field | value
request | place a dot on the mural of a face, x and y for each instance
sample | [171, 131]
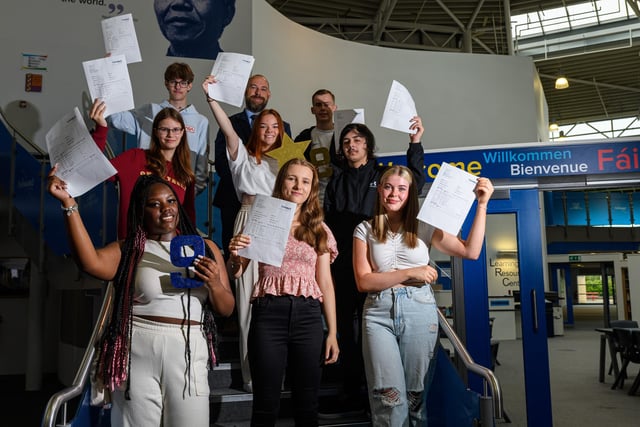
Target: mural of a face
[193, 27]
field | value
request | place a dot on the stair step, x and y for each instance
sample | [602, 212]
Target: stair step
[230, 405]
[232, 408]
[288, 422]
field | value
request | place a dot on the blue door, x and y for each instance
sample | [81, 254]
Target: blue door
[525, 207]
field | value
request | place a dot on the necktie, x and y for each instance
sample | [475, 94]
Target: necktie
[253, 117]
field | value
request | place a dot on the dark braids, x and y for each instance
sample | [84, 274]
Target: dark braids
[114, 362]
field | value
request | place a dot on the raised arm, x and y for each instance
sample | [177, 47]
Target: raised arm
[230, 135]
[415, 153]
[472, 246]
[100, 263]
[96, 114]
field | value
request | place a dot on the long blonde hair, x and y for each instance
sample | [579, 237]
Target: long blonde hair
[409, 214]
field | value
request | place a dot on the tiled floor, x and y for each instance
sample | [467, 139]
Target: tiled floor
[578, 398]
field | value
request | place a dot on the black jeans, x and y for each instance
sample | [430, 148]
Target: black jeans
[349, 305]
[285, 330]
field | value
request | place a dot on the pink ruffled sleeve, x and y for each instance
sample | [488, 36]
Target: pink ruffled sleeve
[331, 243]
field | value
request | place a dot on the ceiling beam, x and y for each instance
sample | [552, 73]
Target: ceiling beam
[304, 20]
[475, 15]
[633, 5]
[451, 15]
[382, 17]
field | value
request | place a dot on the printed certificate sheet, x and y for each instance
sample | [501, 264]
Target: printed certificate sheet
[449, 199]
[399, 110]
[232, 71]
[120, 38]
[80, 163]
[108, 79]
[268, 224]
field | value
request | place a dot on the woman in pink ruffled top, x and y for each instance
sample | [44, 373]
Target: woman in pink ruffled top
[288, 302]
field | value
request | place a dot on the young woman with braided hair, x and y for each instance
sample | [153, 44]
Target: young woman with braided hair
[153, 355]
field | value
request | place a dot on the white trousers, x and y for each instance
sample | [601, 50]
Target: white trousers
[162, 392]
[244, 288]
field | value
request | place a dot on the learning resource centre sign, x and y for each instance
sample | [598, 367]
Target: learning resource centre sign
[530, 161]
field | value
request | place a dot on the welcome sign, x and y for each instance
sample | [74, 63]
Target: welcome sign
[535, 160]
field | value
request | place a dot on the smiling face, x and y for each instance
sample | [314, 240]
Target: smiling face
[393, 193]
[257, 94]
[161, 214]
[184, 21]
[354, 147]
[268, 131]
[297, 184]
[169, 133]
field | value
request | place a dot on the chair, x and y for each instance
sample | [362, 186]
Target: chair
[629, 344]
[613, 342]
[635, 334]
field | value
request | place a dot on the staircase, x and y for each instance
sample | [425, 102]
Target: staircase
[34, 223]
[231, 405]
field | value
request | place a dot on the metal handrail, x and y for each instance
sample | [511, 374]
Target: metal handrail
[26, 140]
[486, 373]
[63, 396]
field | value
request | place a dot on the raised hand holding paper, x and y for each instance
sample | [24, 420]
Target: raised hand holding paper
[449, 199]
[399, 110]
[232, 71]
[120, 38]
[80, 163]
[108, 79]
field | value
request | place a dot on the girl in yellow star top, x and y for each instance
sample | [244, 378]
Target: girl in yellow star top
[252, 173]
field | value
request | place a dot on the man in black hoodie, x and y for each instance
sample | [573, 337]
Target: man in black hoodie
[350, 199]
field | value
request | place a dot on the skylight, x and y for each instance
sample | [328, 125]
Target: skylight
[544, 22]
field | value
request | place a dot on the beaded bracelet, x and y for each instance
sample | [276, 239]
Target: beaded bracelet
[70, 209]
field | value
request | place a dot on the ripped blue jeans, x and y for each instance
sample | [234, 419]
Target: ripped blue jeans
[400, 331]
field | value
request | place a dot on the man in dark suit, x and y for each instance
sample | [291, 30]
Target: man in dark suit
[256, 97]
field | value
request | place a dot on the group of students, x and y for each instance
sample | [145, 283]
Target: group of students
[355, 251]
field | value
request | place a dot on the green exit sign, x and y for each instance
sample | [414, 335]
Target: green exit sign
[575, 257]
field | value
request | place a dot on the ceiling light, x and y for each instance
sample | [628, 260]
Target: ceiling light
[562, 82]
[553, 126]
